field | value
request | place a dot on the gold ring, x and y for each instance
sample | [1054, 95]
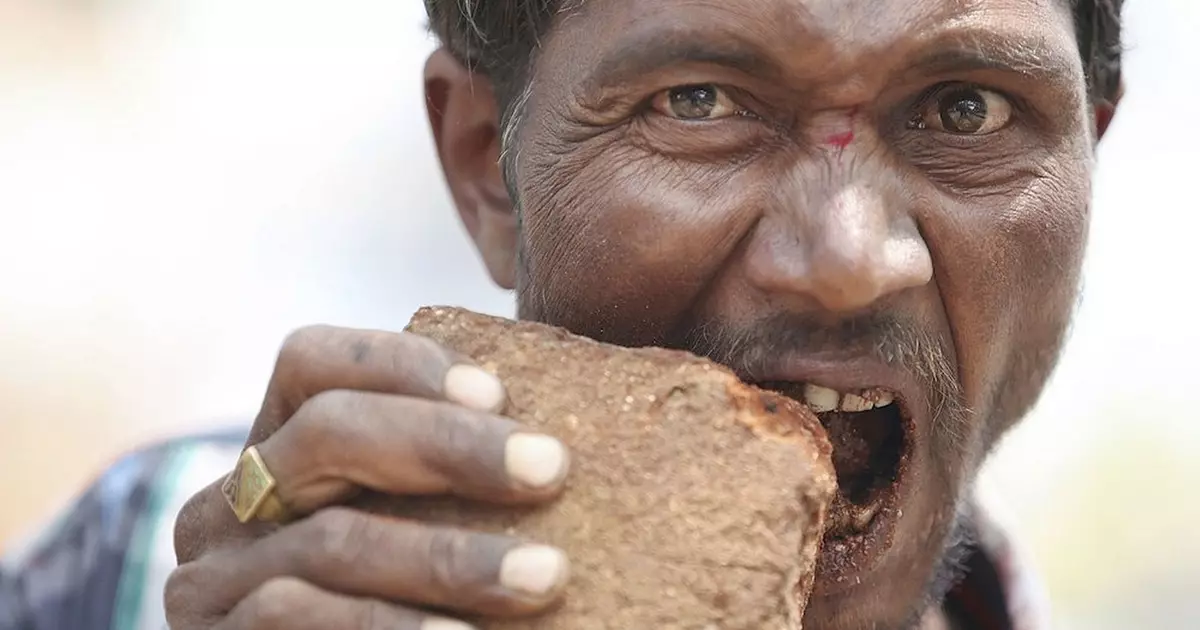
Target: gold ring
[250, 490]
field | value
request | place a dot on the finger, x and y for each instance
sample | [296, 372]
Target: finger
[205, 521]
[341, 441]
[363, 555]
[323, 358]
[292, 604]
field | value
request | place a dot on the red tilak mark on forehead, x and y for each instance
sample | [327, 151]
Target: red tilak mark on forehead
[842, 139]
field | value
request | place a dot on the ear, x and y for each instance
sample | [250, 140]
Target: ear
[1107, 109]
[466, 129]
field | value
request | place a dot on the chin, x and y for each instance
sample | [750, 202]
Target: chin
[902, 568]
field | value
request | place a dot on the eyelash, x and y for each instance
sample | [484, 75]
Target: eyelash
[737, 97]
[916, 105]
[932, 94]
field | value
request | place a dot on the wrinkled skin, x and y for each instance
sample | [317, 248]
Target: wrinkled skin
[852, 193]
[807, 194]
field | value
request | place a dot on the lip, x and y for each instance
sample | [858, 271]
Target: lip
[844, 564]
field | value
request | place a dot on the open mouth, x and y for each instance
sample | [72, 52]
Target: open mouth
[870, 432]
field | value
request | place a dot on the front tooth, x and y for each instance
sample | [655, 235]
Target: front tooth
[883, 399]
[854, 402]
[820, 399]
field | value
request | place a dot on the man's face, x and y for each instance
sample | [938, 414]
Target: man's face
[879, 195]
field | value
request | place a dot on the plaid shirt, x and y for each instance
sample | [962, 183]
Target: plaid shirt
[102, 564]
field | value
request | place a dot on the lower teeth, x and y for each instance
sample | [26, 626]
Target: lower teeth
[864, 517]
[848, 519]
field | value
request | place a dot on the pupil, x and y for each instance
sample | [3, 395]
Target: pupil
[964, 112]
[696, 101]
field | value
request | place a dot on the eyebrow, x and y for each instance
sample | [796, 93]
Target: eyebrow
[1017, 54]
[645, 53]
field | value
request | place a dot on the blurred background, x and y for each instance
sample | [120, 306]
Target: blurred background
[182, 182]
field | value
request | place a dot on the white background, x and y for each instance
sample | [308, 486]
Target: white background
[182, 182]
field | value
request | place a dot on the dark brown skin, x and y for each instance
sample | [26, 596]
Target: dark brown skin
[818, 184]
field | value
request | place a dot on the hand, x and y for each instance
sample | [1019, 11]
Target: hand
[349, 410]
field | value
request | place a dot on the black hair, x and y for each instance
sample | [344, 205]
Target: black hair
[499, 37]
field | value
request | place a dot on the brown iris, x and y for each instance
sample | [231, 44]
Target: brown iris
[964, 111]
[693, 102]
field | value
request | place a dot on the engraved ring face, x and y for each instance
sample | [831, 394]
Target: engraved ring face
[249, 486]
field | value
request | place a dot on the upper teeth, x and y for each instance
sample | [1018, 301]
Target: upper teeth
[821, 399]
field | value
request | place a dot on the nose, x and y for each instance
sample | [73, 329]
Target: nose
[845, 248]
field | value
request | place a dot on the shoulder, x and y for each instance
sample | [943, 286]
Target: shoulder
[106, 556]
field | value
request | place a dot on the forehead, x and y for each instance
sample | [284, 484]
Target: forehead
[809, 37]
[855, 21]
[827, 12]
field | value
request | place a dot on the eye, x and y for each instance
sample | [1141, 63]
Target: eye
[695, 102]
[967, 111]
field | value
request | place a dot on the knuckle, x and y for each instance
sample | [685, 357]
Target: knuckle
[457, 433]
[328, 404]
[180, 595]
[298, 342]
[318, 417]
[184, 580]
[335, 540]
[372, 615]
[298, 351]
[299, 345]
[192, 595]
[450, 565]
[421, 359]
[195, 529]
[274, 603]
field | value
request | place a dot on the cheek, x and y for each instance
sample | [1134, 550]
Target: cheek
[1009, 272]
[1051, 242]
[621, 242]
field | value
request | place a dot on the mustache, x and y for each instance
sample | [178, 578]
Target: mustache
[749, 348]
[898, 342]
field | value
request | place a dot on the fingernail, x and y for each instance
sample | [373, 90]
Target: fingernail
[472, 387]
[533, 569]
[441, 623]
[535, 460]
